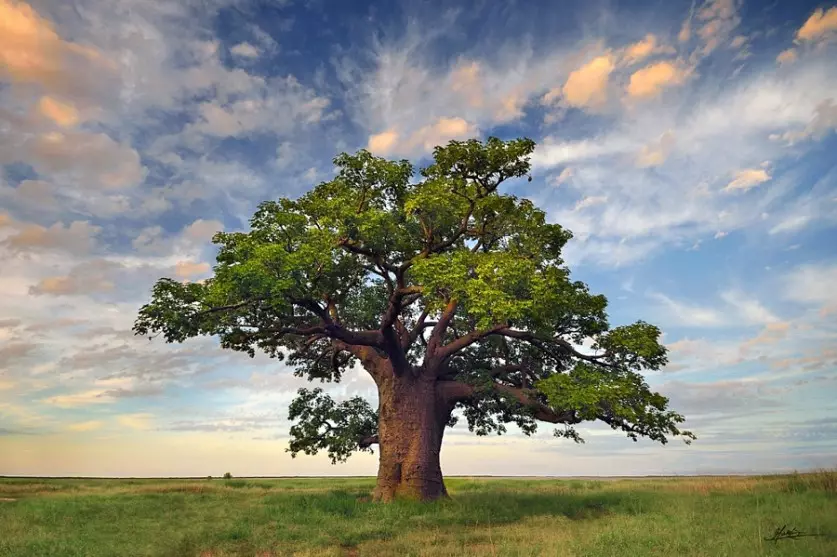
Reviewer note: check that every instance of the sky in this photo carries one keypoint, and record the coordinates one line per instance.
(689, 146)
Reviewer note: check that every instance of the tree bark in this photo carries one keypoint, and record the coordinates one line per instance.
(411, 422)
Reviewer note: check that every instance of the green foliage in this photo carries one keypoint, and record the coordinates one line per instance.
(227, 476)
(619, 397)
(316, 276)
(325, 425)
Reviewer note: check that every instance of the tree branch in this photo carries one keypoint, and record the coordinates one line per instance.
(464, 341)
(375, 257)
(366, 442)
(457, 391)
(438, 332)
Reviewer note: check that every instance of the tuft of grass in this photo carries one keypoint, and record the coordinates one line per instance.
(334, 517)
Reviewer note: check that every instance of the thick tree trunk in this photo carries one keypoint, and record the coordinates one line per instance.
(411, 423)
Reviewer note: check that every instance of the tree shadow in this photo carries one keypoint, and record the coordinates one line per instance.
(353, 519)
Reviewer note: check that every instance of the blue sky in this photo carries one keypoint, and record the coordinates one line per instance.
(688, 145)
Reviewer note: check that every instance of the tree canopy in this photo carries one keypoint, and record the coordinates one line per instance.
(436, 275)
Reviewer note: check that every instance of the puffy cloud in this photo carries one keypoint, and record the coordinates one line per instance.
(382, 143)
(63, 114)
(76, 238)
(246, 50)
(648, 46)
(202, 230)
(87, 278)
(424, 139)
(32, 52)
(719, 18)
(747, 179)
(442, 131)
(821, 25)
(823, 122)
(787, 56)
(88, 160)
(35, 195)
(587, 86)
(15, 351)
(650, 81)
(288, 105)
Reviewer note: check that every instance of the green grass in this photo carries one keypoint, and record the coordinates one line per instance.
(713, 516)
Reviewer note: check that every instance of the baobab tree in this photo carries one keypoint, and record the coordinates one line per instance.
(449, 293)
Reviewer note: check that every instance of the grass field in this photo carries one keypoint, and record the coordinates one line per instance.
(711, 516)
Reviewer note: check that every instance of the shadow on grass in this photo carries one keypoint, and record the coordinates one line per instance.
(347, 518)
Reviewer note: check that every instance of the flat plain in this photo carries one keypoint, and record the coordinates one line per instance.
(688, 516)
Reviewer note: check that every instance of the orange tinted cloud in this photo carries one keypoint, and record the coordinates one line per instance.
(382, 143)
(442, 131)
(787, 56)
(657, 152)
(820, 25)
(652, 79)
(63, 114)
(32, 52)
(641, 50)
(465, 80)
(747, 179)
(587, 86)
(188, 269)
(437, 133)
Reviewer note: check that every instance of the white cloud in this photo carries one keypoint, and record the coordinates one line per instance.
(691, 315)
(748, 308)
(246, 50)
(791, 224)
(812, 284)
(564, 176)
(738, 310)
(590, 202)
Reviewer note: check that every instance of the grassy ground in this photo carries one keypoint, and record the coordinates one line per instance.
(319, 517)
